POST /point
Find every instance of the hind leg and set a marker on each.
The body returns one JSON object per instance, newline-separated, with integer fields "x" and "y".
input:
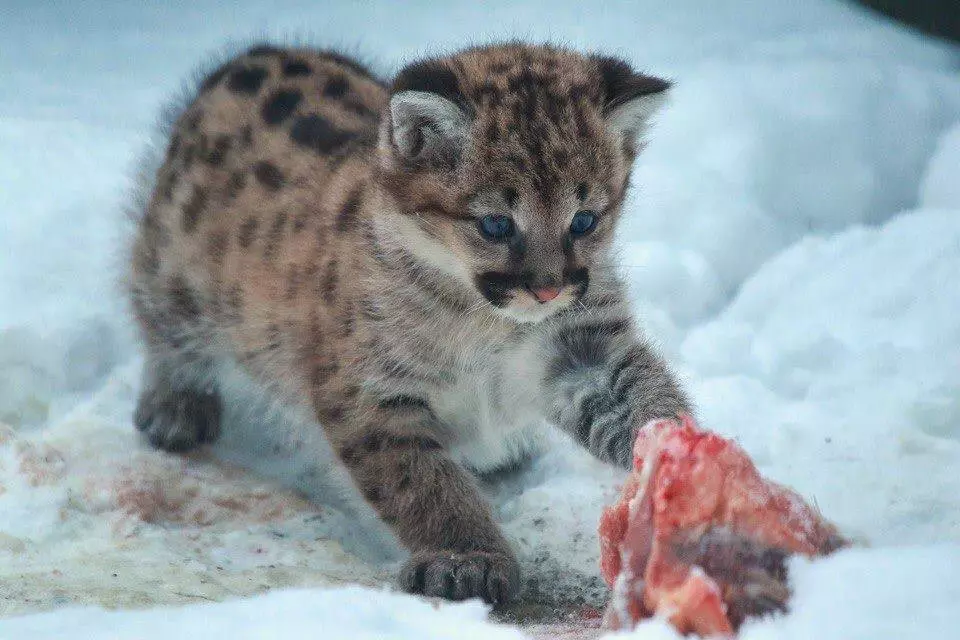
{"x": 179, "y": 407}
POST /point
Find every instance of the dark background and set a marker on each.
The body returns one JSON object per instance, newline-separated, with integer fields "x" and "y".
{"x": 935, "y": 17}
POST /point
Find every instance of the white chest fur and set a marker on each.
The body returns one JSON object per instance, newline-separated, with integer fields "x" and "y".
{"x": 493, "y": 412}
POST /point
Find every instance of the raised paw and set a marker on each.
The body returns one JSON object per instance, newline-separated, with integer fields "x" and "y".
{"x": 494, "y": 577}
{"x": 178, "y": 421}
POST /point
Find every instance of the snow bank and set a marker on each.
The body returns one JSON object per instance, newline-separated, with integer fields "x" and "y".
{"x": 848, "y": 590}
{"x": 940, "y": 187}
{"x": 350, "y": 613}
{"x": 792, "y": 242}
{"x": 844, "y": 350}
{"x": 864, "y": 594}
{"x": 753, "y": 156}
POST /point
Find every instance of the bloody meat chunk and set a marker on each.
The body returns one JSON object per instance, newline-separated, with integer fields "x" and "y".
{"x": 699, "y": 536}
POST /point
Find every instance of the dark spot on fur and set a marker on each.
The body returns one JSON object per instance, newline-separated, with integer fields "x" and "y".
{"x": 493, "y": 131}
{"x": 374, "y": 493}
{"x": 189, "y": 151}
{"x": 268, "y": 175}
{"x": 293, "y": 282}
{"x": 347, "y": 324}
{"x": 236, "y": 183}
{"x": 337, "y": 86}
{"x": 168, "y": 183}
{"x": 247, "y": 80}
{"x": 248, "y": 231}
{"x": 183, "y": 300}
{"x": 192, "y": 121}
{"x": 328, "y": 286}
{"x": 294, "y": 68}
{"x": 280, "y": 106}
{"x": 582, "y": 191}
{"x": 322, "y": 373}
{"x": 510, "y": 195}
{"x": 217, "y": 246}
{"x": 275, "y": 235}
{"x": 193, "y": 209}
{"x": 234, "y": 303}
{"x": 371, "y": 312}
{"x": 332, "y": 412}
{"x": 517, "y": 161}
{"x": 347, "y": 217}
{"x": 299, "y": 222}
{"x": 584, "y": 129}
{"x": 320, "y": 233}
{"x": 355, "y": 106}
{"x": 203, "y": 146}
{"x": 218, "y": 153}
{"x": 174, "y": 146}
{"x": 350, "y": 64}
{"x": 490, "y": 94}
{"x": 317, "y": 134}
{"x": 148, "y": 260}
{"x": 246, "y": 136}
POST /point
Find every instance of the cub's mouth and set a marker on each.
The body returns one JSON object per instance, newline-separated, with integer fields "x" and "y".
{"x": 530, "y": 295}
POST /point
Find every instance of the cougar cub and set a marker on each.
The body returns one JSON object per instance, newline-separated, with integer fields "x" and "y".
{"x": 421, "y": 265}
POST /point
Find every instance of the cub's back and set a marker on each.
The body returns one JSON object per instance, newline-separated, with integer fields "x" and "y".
{"x": 264, "y": 126}
{"x": 264, "y": 170}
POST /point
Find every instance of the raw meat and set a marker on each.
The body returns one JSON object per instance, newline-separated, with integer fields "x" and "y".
{"x": 699, "y": 536}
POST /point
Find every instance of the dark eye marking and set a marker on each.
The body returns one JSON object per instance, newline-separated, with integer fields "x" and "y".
{"x": 583, "y": 191}
{"x": 583, "y": 223}
{"x": 496, "y": 227}
{"x": 510, "y": 195}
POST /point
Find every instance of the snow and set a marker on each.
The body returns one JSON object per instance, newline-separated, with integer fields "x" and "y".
{"x": 792, "y": 241}
{"x": 351, "y": 612}
{"x": 940, "y": 188}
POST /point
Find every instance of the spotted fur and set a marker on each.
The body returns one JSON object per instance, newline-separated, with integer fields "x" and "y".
{"x": 318, "y": 227}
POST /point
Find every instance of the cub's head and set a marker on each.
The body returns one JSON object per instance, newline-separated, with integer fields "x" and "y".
{"x": 510, "y": 163}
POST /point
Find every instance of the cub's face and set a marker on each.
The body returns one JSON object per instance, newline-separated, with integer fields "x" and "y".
{"x": 510, "y": 164}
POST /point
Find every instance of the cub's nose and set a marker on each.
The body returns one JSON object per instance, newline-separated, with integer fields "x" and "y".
{"x": 544, "y": 294}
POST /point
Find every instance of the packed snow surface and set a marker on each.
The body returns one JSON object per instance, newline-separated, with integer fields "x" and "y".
{"x": 792, "y": 241}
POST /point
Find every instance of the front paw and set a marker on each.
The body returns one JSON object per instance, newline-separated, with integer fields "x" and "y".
{"x": 494, "y": 577}
{"x": 615, "y": 446}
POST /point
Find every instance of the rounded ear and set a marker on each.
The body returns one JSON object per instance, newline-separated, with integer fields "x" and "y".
{"x": 426, "y": 127}
{"x": 629, "y": 99}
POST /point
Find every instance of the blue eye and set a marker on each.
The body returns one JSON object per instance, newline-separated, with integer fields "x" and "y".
{"x": 583, "y": 223}
{"x": 497, "y": 227}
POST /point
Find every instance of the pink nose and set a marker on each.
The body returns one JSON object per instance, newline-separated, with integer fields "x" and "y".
{"x": 545, "y": 294}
